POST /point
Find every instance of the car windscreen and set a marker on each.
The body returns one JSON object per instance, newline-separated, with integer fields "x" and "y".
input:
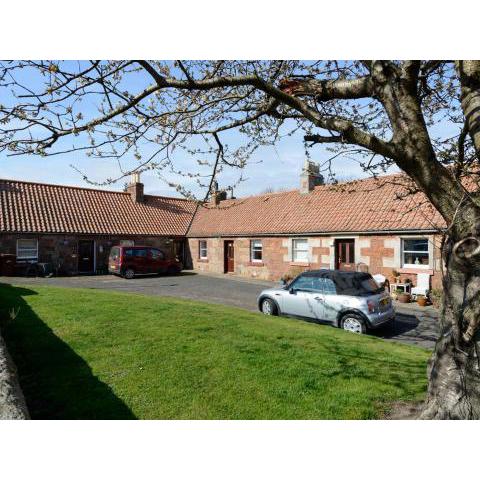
{"x": 114, "y": 253}
{"x": 358, "y": 284}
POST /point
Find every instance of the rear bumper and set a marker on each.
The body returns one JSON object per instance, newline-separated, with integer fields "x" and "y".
{"x": 377, "y": 319}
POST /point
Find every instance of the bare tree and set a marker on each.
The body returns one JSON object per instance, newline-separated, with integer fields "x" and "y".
{"x": 423, "y": 116}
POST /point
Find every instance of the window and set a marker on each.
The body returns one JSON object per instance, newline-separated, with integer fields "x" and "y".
{"x": 140, "y": 252}
{"x": 300, "y": 250}
{"x": 27, "y": 249}
{"x": 306, "y": 284}
{"x": 256, "y": 250}
{"x": 157, "y": 254}
{"x": 202, "y": 249}
{"x": 114, "y": 253}
{"x": 329, "y": 287}
{"x": 415, "y": 253}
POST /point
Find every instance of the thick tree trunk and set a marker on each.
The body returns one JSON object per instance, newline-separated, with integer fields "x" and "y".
{"x": 454, "y": 369}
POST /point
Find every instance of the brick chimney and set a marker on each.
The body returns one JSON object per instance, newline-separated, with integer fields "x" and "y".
{"x": 135, "y": 188}
{"x": 217, "y": 195}
{"x": 310, "y": 177}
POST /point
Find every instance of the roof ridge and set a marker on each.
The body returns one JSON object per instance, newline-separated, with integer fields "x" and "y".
{"x": 332, "y": 185}
{"x": 88, "y": 189}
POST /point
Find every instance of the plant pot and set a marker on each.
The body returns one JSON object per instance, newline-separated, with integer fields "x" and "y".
{"x": 422, "y": 301}
{"x": 404, "y": 298}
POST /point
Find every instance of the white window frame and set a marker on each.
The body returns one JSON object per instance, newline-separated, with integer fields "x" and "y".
{"x": 295, "y": 250}
{"x": 414, "y": 265}
{"x": 28, "y": 257}
{"x": 200, "y": 249}
{"x": 254, "y": 248}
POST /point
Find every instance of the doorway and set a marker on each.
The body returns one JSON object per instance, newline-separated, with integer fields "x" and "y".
{"x": 86, "y": 256}
{"x": 229, "y": 260}
{"x": 345, "y": 254}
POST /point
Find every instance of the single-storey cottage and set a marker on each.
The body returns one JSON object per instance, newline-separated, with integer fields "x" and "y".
{"x": 73, "y": 228}
{"x": 373, "y": 225}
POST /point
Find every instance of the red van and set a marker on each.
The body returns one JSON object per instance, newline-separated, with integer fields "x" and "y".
{"x": 131, "y": 261}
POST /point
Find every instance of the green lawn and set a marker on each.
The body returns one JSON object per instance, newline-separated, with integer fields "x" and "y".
{"x": 94, "y": 354}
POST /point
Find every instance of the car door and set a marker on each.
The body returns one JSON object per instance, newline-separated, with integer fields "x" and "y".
{"x": 158, "y": 263}
{"x": 304, "y": 298}
{"x": 141, "y": 262}
{"x": 331, "y": 300}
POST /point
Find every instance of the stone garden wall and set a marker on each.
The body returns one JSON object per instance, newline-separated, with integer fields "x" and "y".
{"x": 12, "y": 402}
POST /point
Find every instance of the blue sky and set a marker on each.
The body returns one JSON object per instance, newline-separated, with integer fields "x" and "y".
{"x": 270, "y": 167}
{"x": 276, "y": 167}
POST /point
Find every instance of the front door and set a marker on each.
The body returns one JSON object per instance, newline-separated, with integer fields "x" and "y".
{"x": 229, "y": 257}
{"x": 345, "y": 254}
{"x": 86, "y": 256}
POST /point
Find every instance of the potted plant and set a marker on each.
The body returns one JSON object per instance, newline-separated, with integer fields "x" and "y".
{"x": 395, "y": 276}
{"x": 404, "y": 297}
{"x": 422, "y": 300}
{"x": 396, "y": 293}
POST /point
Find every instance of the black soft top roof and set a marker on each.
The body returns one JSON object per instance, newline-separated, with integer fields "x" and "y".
{"x": 326, "y": 273}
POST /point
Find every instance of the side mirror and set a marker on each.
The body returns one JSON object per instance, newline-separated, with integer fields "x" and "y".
{"x": 292, "y": 291}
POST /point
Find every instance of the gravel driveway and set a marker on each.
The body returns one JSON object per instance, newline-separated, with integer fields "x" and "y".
{"x": 414, "y": 325}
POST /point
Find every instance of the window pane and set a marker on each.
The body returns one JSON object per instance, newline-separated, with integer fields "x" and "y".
{"x": 300, "y": 250}
{"x": 329, "y": 287}
{"x": 202, "y": 246}
{"x": 256, "y": 250}
{"x": 303, "y": 283}
{"x": 351, "y": 253}
{"x": 27, "y": 248}
{"x": 415, "y": 258}
{"x": 415, "y": 245}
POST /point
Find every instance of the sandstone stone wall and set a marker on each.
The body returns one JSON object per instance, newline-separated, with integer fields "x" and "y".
{"x": 373, "y": 253}
{"x": 12, "y": 402}
{"x": 62, "y": 250}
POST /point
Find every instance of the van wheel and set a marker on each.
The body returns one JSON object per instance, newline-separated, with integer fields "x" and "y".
{"x": 353, "y": 323}
{"x": 269, "y": 307}
{"x": 128, "y": 273}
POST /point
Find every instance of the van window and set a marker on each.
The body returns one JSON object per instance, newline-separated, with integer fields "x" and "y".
{"x": 141, "y": 252}
{"x": 114, "y": 253}
{"x": 157, "y": 254}
{"x": 128, "y": 252}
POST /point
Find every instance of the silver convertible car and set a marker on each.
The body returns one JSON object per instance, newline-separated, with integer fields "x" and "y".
{"x": 349, "y": 300}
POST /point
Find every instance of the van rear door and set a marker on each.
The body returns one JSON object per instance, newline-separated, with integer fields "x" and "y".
{"x": 114, "y": 260}
{"x": 157, "y": 261}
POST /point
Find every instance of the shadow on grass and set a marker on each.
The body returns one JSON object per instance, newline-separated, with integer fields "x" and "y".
{"x": 57, "y": 383}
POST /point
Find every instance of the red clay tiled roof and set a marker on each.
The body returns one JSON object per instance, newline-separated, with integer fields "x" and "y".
{"x": 42, "y": 208}
{"x": 360, "y": 206}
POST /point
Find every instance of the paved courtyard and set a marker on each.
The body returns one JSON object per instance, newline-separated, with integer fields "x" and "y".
{"x": 414, "y": 325}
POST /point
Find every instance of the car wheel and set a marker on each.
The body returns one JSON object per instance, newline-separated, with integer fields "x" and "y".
{"x": 354, "y": 324}
{"x": 129, "y": 273}
{"x": 268, "y": 307}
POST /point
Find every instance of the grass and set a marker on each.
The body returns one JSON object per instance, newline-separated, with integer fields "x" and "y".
{"x": 95, "y": 354}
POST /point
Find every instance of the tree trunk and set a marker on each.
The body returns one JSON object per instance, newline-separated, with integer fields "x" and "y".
{"x": 454, "y": 369}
